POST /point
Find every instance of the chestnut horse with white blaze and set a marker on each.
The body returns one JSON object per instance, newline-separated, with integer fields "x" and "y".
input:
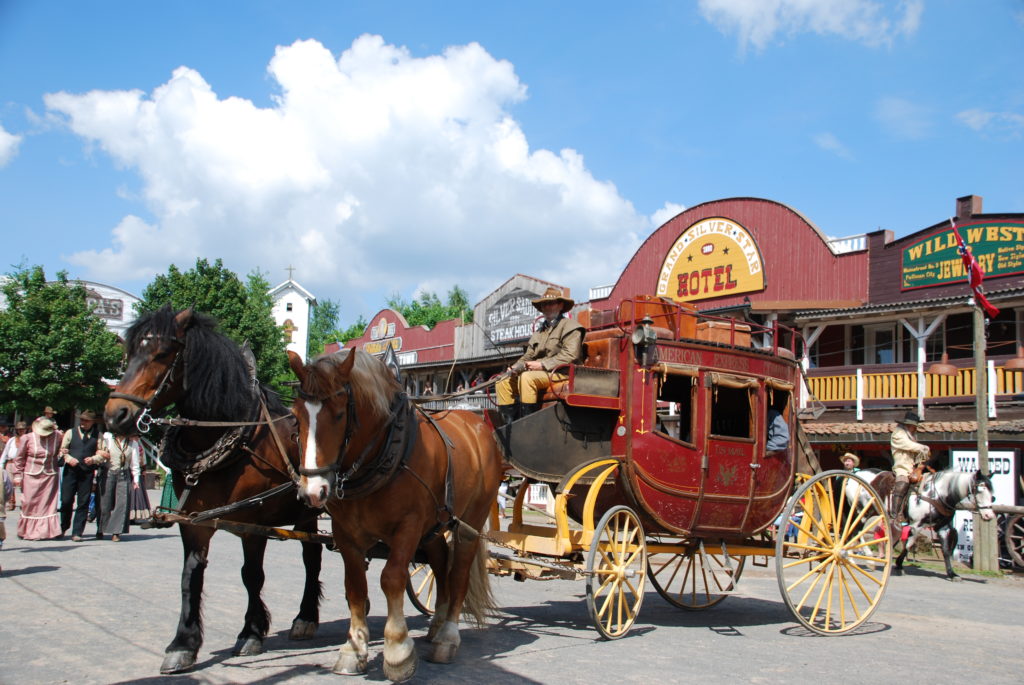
{"x": 387, "y": 471}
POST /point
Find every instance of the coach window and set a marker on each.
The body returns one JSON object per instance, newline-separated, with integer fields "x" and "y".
{"x": 778, "y": 394}
{"x": 732, "y": 405}
{"x": 676, "y": 387}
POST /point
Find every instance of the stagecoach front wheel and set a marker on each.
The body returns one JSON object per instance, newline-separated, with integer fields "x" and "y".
{"x": 697, "y": 577}
{"x": 833, "y": 555}
{"x": 420, "y": 588}
{"x": 616, "y": 571}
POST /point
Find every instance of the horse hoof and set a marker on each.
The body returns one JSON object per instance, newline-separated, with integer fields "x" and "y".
{"x": 403, "y": 670}
{"x": 956, "y": 579}
{"x": 897, "y": 571}
{"x": 250, "y": 646}
{"x": 443, "y": 653}
{"x": 176, "y": 662}
{"x": 302, "y": 630}
{"x": 350, "y": 664}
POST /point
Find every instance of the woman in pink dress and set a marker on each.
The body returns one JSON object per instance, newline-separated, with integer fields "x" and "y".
{"x": 35, "y": 469}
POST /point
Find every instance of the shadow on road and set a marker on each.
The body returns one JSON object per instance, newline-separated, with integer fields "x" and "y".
{"x": 29, "y": 570}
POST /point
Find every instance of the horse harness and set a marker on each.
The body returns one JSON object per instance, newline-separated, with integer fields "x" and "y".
{"x": 367, "y": 475}
{"x": 145, "y": 420}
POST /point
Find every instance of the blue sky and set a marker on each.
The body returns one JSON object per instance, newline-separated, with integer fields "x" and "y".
{"x": 396, "y": 147}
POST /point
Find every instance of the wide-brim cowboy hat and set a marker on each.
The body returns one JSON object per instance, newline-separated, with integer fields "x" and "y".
{"x": 911, "y": 419}
{"x": 88, "y": 415}
{"x": 851, "y": 455}
{"x": 553, "y": 294}
{"x": 43, "y": 427}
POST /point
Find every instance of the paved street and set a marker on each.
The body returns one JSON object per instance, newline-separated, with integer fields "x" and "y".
{"x": 102, "y": 612}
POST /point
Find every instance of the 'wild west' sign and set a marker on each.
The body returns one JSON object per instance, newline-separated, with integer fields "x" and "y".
{"x": 712, "y": 258}
{"x": 934, "y": 260}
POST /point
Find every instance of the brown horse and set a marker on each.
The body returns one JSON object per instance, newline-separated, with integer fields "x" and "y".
{"x": 388, "y": 472}
{"x": 179, "y": 357}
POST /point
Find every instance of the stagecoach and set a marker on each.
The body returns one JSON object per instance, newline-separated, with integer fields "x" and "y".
{"x": 655, "y": 451}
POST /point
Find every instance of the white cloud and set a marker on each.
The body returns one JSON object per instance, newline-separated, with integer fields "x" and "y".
{"x": 830, "y": 143}
{"x": 903, "y": 119}
{"x": 8, "y": 146}
{"x": 668, "y": 211}
{"x": 758, "y": 22}
{"x": 997, "y": 124}
{"x": 373, "y": 171}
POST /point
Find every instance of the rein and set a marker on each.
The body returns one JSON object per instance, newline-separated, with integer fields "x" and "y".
{"x": 145, "y": 420}
{"x": 947, "y": 508}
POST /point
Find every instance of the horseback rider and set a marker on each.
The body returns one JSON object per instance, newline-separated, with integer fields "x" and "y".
{"x": 907, "y": 453}
{"x": 558, "y": 341}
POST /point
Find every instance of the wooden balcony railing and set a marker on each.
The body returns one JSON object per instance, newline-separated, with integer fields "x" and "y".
{"x": 901, "y": 386}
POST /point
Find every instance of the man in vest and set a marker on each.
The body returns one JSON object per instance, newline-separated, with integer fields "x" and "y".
{"x": 81, "y": 459}
{"x": 558, "y": 341}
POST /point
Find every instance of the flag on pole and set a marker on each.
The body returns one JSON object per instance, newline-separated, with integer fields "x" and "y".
{"x": 974, "y": 273}
{"x": 391, "y": 361}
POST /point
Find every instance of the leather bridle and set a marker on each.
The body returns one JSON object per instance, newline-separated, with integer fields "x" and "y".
{"x": 145, "y": 419}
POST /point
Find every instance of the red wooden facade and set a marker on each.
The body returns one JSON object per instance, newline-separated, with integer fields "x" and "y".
{"x": 801, "y": 270}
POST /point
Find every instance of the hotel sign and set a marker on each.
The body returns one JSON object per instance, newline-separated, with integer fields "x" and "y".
{"x": 382, "y": 336}
{"x": 712, "y": 258}
{"x": 934, "y": 260}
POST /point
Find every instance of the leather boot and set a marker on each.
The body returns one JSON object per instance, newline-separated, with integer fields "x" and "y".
{"x": 508, "y": 413}
{"x": 530, "y": 408}
{"x": 899, "y": 498}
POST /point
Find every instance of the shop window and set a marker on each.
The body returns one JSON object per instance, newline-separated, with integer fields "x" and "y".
{"x": 731, "y": 415}
{"x": 960, "y": 336}
{"x": 676, "y": 421}
{"x": 856, "y": 346}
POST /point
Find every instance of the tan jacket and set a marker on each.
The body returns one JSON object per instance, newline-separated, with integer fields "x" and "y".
{"x": 561, "y": 344}
{"x": 904, "y": 446}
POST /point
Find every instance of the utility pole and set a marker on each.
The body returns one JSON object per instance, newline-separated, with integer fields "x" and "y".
{"x": 986, "y": 557}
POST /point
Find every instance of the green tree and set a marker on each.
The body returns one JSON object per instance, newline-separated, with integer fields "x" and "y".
{"x": 428, "y": 309}
{"x": 354, "y": 331}
{"x": 244, "y": 310}
{"x": 54, "y": 350}
{"x": 323, "y": 325}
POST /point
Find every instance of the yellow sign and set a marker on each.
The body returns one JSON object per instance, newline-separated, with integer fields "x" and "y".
{"x": 713, "y": 258}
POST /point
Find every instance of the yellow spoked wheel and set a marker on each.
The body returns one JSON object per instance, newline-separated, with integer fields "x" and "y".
{"x": 833, "y": 554}
{"x": 695, "y": 578}
{"x": 616, "y": 571}
{"x": 420, "y": 588}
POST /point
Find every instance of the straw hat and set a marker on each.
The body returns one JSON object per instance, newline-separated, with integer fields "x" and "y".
{"x": 553, "y": 294}
{"x": 43, "y": 426}
{"x": 88, "y": 415}
{"x": 850, "y": 455}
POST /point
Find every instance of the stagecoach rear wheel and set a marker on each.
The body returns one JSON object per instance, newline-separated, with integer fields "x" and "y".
{"x": 616, "y": 571}
{"x": 695, "y": 578}
{"x": 1015, "y": 539}
{"x": 833, "y": 555}
{"x": 420, "y": 588}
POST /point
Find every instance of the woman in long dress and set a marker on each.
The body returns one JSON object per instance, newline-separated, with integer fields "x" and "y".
{"x": 123, "y": 475}
{"x": 35, "y": 467}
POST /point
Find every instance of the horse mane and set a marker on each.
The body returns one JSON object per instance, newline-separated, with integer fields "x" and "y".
{"x": 373, "y": 386}
{"x": 217, "y": 383}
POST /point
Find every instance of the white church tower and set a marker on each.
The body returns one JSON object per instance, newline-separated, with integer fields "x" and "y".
{"x": 293, "y": 308}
